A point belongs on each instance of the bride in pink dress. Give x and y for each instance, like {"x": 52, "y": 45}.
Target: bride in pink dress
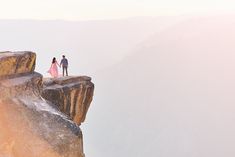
{"x": 54, "y": 68}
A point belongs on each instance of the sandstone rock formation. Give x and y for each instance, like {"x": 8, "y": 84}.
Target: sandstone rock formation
{"x": 33, "y": 126}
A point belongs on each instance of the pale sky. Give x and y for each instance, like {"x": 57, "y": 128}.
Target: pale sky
{"x": 107, "y": 9}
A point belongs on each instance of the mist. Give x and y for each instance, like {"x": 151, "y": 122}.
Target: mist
{"x": 90, "y": 45}
{"x": 164, "y": 85}
{"x": 173, "y": 96}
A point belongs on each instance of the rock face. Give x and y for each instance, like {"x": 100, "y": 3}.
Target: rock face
{"x": 16, "y": 63}
{"x": 72, "y": 95}
{"x": 25, "y": 85}
{"x": 33, "y": 126}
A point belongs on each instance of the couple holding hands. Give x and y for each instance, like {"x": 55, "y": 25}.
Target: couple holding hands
{"x": 53, "y": 71}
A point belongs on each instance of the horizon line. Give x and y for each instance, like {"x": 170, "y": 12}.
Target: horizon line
{"x": 120, "y": 18}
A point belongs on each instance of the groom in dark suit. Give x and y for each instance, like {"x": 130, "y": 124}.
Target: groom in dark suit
{"x": 64, "y": 62}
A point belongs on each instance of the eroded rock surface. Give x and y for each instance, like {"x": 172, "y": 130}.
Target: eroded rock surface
{"x": 32, "y": 126}
{"x": 13, "y": 63}
{"x": 73, "y": 95}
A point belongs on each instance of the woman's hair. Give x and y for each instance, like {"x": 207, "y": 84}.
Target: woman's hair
{"x": 54, "y": 60}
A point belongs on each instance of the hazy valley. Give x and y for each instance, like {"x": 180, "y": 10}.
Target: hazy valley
{"x": 164, "y": 86}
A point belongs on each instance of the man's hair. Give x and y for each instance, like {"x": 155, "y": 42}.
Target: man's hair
{"x": 63, "y": 56}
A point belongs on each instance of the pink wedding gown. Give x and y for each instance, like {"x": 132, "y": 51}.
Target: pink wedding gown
{"x": 53, "y": 70}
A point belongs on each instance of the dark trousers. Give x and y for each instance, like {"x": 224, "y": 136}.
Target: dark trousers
{"x": 65, "y": 69}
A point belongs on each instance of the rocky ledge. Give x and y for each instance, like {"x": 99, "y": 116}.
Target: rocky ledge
{"x": 47, "y": 111}
{"x": 72, "y": 95}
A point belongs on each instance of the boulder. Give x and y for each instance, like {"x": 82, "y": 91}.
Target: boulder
{"x": 16, "y": 63}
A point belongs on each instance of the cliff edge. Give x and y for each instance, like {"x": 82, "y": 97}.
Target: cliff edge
{"x": 72, "y": 95}
{"x": 40, "y": 117}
